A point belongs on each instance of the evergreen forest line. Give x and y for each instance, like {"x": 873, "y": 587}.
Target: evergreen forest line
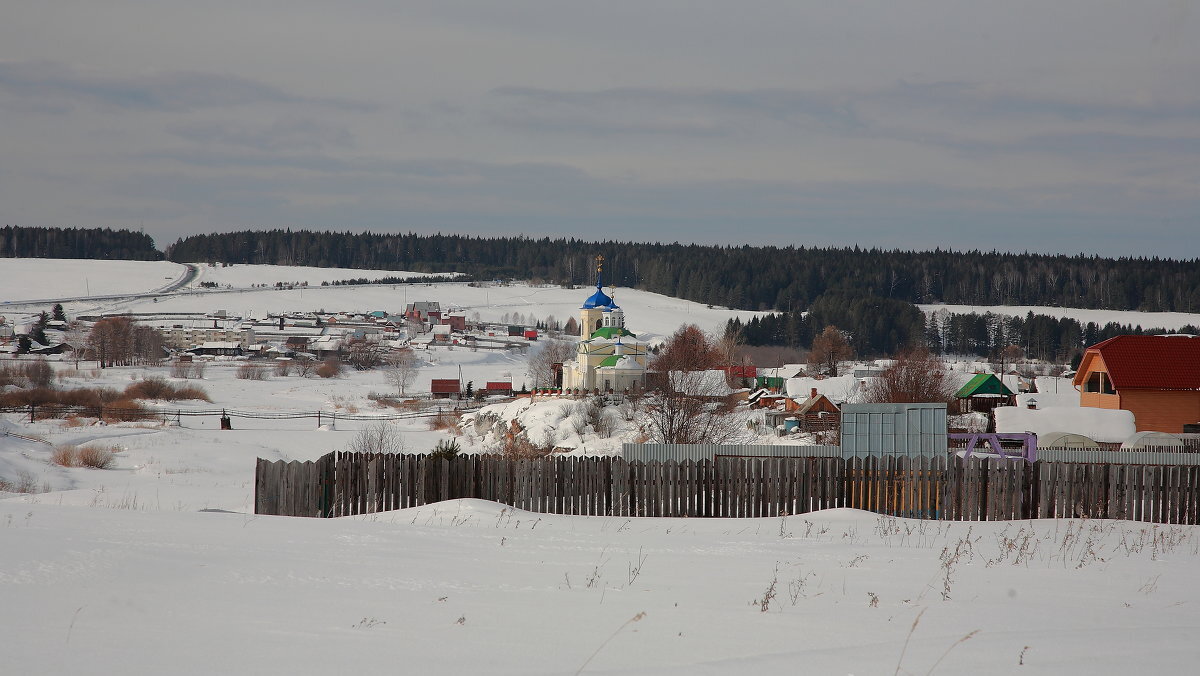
{"x": 747, "y": 277}
{"x": 868, "y": 293}
{"x": 102, "y": 243}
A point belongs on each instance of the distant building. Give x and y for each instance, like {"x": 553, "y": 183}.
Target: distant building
{"x": 609, "y": 356}
{"x": 180, "y": 338}
{"x": 1157, "y": 378}
{"x": 424, "y": 311}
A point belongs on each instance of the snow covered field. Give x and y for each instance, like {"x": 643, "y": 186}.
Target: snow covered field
{"x": 157, "y": 565}
{"x": 53, "y": 278}
{"x": 148, "y": 566}
{"x": 245, "y": 276}
{"x": 1147, "y": 320}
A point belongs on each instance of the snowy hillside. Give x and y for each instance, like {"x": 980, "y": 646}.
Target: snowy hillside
{"x": 53, "y": 278}
{"x": 246, "y": 276}
{"x": 1147, "y": 320}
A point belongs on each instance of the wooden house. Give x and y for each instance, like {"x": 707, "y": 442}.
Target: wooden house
{"x": 445, "y": 388}
{"x": 1157, "y": 378}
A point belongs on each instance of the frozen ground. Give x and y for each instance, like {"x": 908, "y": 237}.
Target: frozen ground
{"x": 1148, "y": 320}
{"x": 157, "y": 565}
{"x": 52, "y": 278}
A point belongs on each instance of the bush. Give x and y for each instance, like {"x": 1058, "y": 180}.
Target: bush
{"x": 377, "y": 438}
{"x": 126, "y": 410}
{"x": 446, "y": 421}
{"x": 36, "y": 374}
{"x": 330, "y": 368}
{"x": 82, "y": 456}
{"x": 95, "y": 457}
{"x": 160, "y": 389}
{"x": 39, "y": 373}
{"x": 520, "y": 447}
{"x": 150, "y": 388}
{"x": 251, "y": 372}
{"x": 65, "y": 456}
{"x": 446, "y": 449}
{"x": 192, "y": 392}
{"x": 283, "y": 367}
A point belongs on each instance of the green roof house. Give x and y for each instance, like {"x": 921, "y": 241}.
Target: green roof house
{"x": 983, "y": 393}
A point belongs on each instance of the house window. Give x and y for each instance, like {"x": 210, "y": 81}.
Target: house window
{"x": 1098, "y": 382}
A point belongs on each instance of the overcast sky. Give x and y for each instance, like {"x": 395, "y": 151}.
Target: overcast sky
{"x": 1043, "y": 126}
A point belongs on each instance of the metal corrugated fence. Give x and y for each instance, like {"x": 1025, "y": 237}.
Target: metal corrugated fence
{"x": 1120, "y": 457}
{"x": 680, "y": 452}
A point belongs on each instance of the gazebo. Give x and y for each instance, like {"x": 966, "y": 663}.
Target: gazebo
{"x": 983, "y": 393}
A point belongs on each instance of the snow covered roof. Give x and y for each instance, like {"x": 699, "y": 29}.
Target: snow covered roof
{"x": 1104, "y": 425}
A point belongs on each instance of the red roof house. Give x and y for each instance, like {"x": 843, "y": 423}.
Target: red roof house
{"x": 443, "y": 388}
{"x": 1157, "y": 378}
{"x": 498, "y": 387}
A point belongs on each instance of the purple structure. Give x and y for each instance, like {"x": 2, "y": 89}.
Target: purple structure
{"x": 991, "y": 443}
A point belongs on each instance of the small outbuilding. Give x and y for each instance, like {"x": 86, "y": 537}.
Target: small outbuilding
{"x": 983, "y": 393}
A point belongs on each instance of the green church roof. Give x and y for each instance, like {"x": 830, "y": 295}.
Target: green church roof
{"x": 983, "y": 383}
{"x": 608, "y": 332}
{"x": 611, "y": 361}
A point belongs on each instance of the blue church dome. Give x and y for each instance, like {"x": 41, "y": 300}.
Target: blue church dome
{"x": 598, "y": 299}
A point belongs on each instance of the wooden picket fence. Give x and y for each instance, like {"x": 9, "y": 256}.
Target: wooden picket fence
{"x": 344, "y": 484}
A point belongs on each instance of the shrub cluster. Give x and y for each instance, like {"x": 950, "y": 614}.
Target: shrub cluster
{"x": 251, "y": 372}
{"x": 95, "y": 457}
{"x": 26, "y": 374}
{"x": 330, "y": 368}
{"x": 160, "y": 390}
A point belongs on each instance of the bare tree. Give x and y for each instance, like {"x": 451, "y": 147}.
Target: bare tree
{"x": 304, "y": 366}
{"x": 695, "y": 407}
{"x": 688, "y": 349}
{"x": 364, "y": 354}
{"x": 918, "y": 376}
{"x": 402, "y": 369}
{"x": 541, "y": 364}
{"x": 828, "y": 351}
{"x": 693, "y": 404}
{"x": 378, "y": 437}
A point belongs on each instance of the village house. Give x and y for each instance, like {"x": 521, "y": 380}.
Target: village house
{"x": 1157, "y": 378}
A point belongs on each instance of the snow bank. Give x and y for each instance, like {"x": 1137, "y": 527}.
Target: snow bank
{"x": 1096, "y": 423}
{"x": 840, "y": 389}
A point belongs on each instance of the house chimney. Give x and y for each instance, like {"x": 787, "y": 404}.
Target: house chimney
{"x": 813, "y": 394}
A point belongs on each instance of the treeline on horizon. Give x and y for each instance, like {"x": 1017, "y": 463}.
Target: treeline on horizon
{"x": 869, "y": 293}
{"x": 102, "y": 243}
{"x": 877, "y": 327}
{"x": 761, "y": 278}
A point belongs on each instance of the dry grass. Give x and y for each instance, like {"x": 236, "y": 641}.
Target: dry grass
{"x": 65, "y": 456}
{"x": 24, "y": 483}
{"x": 251, "y": 372}
{"x": 126, "y": 410}
{"x": 160, "y": 389}
{"x": 95, "y": 457}
{"x": 519, "y": 447}
{"x": 330, "y": 368}
{"x": 446, "y": 421}
{"x": 73, "y": 420}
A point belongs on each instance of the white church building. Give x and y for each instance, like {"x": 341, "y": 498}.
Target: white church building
{"x": 609, "y": 356}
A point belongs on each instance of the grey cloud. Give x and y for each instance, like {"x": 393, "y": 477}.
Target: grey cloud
{"x": 178, "y": 91}
{"x": 287, "y": 134}
{"x": 700, "y": 112}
